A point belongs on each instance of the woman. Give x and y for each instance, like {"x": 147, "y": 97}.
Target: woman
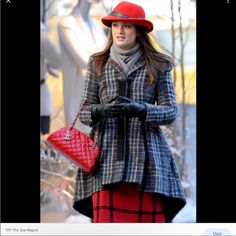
{"x": 128, "y": 95}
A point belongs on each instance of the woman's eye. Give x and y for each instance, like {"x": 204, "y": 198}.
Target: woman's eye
{"x": 127, "y": 26}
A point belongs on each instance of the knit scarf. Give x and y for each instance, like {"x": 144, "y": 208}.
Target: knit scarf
{"x": 125, "y": 58}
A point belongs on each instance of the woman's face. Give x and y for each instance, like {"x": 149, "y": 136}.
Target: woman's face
{"x": 123, "y": 34}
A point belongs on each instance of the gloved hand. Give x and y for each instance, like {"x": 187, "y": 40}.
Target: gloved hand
{"x": 129, "y": 109}
{"x": 100, "y": 111}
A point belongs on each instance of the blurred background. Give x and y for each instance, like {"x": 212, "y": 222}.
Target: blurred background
{"x": 175, "y": 28}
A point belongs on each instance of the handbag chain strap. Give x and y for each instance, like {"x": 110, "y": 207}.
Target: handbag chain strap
{"x": 67, "y": 135}
{"x": 76, "y": 117}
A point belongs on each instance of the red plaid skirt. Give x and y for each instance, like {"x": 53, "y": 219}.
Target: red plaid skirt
{"x": 123, "y": 203}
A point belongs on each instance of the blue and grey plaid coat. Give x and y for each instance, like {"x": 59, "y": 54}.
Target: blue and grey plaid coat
{"x": 124, "y": 155}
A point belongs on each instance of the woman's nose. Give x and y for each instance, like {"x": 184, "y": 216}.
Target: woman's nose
{"x": 120, "y": 29}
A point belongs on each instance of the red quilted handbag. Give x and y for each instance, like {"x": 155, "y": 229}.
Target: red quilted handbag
{"x": 76, "y": 146}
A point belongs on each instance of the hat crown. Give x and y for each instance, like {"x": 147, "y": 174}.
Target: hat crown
{"x": 130, "y": 13}
{"x": 129, "y": 9}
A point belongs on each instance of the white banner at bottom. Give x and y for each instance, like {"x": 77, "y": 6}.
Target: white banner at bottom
{"x": 143, "y": 229}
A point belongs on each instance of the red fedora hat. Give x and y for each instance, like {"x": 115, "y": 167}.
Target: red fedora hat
{"x": 130, "y": 13}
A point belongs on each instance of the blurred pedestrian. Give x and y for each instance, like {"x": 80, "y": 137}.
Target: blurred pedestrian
{"x": 79, "y": 36}
{"x": 128, "y": 95}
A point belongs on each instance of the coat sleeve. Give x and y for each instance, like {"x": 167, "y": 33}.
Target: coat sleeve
{"x": 164, "y": 112}
{"x": 90, "y": 96}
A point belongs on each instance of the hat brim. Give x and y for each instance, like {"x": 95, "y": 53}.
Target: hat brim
{"x": 142, "y": 22}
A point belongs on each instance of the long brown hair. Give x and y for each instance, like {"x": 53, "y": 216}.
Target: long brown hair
{"x": 154, "y": 60}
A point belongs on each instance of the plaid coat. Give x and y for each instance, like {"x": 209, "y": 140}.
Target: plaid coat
{"x": 124, "y": 155}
